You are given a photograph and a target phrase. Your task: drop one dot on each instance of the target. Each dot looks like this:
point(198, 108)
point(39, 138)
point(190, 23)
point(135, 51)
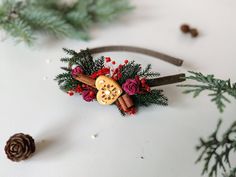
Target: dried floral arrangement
point(21, 19)
point(127, 85)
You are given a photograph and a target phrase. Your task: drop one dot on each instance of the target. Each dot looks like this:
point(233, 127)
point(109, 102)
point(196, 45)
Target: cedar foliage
point(215, 152)
point(22, 18)
point(219, 89)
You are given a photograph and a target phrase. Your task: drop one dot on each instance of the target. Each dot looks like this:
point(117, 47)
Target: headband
point(127, 85)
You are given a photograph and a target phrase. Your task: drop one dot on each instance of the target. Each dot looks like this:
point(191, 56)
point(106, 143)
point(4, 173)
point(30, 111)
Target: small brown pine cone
point(20, 147)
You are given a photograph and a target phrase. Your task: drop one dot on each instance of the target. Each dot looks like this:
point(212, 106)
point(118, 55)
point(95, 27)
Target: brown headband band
point(159, 55)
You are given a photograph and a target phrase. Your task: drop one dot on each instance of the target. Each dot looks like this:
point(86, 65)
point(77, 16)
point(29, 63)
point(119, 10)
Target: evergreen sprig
point(83, 59)
point(218, 88)
point(153, 97)
point(216, 152)
point(22, 18)
point(66, 81)
point(148, 73)
point(129, 71)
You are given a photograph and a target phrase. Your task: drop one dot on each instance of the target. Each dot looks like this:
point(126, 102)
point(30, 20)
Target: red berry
point(71, 93)
point(119, 75)
point(108, 59)
point(143, 81)
point(126, 61)
point(120, 66)
point(113, 62)
point(148, 88)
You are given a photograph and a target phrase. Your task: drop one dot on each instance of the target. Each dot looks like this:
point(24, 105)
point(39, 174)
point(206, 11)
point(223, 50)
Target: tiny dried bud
point(194, 32)
point(185, 28)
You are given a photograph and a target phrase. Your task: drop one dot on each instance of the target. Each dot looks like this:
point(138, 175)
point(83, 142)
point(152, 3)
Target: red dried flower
point(131, 86)
point(87, 96)
point(77, 70)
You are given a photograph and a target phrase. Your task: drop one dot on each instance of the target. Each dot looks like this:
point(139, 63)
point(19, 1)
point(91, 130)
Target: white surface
point(164, 136)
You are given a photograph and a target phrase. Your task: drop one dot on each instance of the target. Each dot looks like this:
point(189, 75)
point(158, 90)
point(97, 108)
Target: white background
point(165, 136)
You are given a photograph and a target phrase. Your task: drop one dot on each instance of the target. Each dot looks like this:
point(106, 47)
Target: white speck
point(45, 78)
point(94, 136)
point(48, 61)
point(3, 35)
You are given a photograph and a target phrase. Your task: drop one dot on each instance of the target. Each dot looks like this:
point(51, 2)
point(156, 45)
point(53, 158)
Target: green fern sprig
point(215, 152)
point(218, 88)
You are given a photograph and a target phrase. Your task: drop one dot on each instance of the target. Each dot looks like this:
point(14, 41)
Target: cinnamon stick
point(122, 104)
point(86, 80)
point(128, 100)
point(125, 102)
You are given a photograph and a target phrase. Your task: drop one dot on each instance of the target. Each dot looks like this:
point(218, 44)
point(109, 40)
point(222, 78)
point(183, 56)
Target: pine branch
point(47, 21)
point(57, 19)
point(98, 64)
point(129, 71)
point(108, 10)
point(82, 59)
point(154, 97)
point(20, 30)
point(148, 73)
point(218, 88)
point(215, 152)
point(66, 81)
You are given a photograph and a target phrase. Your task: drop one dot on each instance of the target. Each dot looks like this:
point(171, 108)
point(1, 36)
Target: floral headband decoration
point(128, 86)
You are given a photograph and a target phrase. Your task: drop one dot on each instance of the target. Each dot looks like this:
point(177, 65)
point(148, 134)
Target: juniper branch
point(217, 151)
point(219, 89)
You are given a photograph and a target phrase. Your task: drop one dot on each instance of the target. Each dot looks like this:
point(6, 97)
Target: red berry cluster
point(117, 71)
point(145, 85)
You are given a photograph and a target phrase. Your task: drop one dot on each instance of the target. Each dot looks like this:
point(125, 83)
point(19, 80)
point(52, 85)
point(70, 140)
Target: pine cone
point(20, 147)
